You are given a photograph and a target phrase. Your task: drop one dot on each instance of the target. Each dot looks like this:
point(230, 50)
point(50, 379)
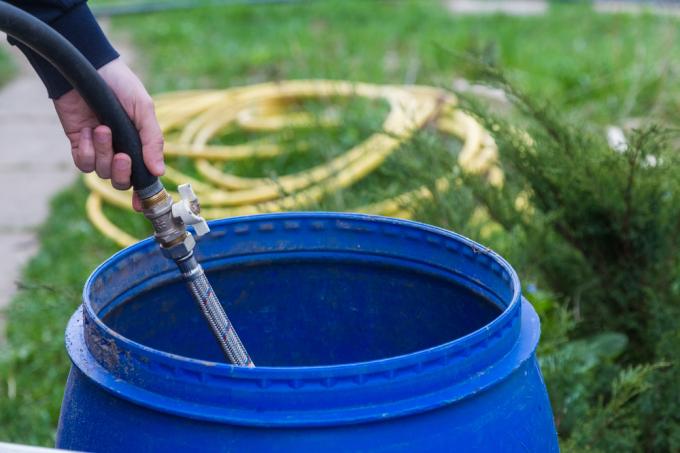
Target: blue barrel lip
point(492, 327)
point(500, 337)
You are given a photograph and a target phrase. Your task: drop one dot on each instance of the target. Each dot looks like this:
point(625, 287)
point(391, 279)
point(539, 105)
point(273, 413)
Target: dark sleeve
point(74, 20)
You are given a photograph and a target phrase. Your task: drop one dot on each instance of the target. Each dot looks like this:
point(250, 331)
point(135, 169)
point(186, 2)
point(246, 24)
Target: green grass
point(601, 68)
point(605, 67)
point(33, 368)
point(6, 68)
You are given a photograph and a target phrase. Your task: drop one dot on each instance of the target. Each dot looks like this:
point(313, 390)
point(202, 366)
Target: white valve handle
point(187, 210)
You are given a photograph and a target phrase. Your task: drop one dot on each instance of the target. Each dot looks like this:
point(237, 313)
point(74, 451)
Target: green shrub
point(603, 236)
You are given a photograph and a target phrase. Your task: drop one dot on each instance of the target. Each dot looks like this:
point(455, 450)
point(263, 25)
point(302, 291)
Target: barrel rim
point(508, 312)
point(519, 357)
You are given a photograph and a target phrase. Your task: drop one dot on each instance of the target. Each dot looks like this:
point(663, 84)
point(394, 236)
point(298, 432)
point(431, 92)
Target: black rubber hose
point(86, 80)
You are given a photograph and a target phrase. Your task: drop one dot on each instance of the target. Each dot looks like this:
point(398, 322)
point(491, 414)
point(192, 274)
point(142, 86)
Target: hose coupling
point(170, 219)
point(181, 250)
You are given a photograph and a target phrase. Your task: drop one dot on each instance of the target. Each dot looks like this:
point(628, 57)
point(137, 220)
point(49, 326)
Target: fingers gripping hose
point(168, 221)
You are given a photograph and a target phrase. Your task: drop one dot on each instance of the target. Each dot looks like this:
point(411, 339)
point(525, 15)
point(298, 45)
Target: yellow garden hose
point(194, 118)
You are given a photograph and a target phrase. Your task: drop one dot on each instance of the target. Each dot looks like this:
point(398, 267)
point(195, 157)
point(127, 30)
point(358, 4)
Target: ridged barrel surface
point(369, 334)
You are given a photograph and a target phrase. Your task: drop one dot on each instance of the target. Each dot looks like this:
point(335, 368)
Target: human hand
point(91, 144)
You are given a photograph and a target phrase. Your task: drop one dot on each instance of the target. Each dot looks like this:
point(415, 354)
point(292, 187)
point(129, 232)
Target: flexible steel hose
point(212, 311)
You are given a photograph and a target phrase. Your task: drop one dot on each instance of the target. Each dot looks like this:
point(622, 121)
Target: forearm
point(74, 20)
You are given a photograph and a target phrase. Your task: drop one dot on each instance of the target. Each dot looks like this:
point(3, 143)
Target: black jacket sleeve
point(74, 20)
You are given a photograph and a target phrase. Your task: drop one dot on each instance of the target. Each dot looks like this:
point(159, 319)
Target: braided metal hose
point(169, 220)
point(212, 310)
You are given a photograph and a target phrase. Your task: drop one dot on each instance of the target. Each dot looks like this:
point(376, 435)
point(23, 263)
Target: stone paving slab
point(641, 7)
point(30, 133)
point(538, 7)
point(17, 248)
point(27, 205)
point(32, 94)
point(509, 7)
point(33, 142)
point(35, 163)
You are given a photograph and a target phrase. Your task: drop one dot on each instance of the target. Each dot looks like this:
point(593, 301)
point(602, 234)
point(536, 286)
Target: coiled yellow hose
point(196, 117)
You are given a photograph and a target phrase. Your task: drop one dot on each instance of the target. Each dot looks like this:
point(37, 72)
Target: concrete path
point(669, 8)
point(35, 163)
point(508, 7)
point(538, 7)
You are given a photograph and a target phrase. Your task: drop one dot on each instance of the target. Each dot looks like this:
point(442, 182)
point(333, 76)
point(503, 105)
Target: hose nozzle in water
point(169, 221)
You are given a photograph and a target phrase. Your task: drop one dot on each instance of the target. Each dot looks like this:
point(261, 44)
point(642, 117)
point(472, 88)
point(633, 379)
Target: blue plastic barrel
point(369, 334)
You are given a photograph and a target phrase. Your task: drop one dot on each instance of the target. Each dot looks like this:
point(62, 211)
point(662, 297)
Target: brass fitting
point(168, 230)
point(170, 219)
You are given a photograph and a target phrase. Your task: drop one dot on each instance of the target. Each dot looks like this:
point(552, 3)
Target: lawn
point(6, 68)
point(599, 70)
